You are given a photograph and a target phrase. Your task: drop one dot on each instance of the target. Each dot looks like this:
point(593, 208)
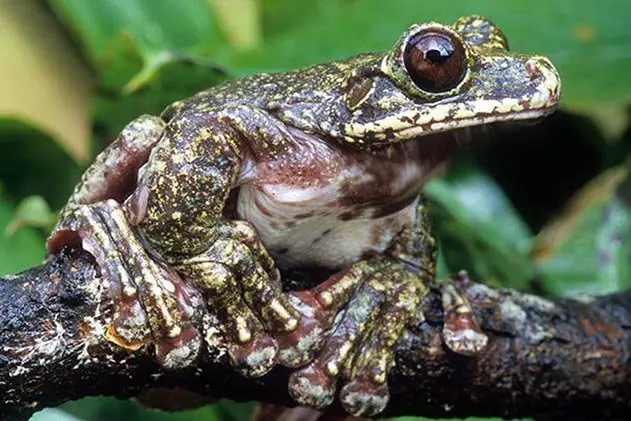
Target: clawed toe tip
point(180, 351)
point(364, 398)
point(299, 347)
point(255, 358)
point(312, 387)
point(466, 341)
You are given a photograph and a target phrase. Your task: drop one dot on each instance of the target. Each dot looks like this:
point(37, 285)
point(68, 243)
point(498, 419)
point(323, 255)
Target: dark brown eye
point(435, 61)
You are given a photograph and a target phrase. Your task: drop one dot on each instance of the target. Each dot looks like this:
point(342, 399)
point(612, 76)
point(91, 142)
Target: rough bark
point(564, 359)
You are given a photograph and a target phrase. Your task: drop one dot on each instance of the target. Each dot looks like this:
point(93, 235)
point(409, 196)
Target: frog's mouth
point(481, 118)
point(447, 117)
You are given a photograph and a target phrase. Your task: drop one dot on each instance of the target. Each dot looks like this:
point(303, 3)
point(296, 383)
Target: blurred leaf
point(149, 50)
point(122, 37)
point(302, 33)
point(33, 165)
point(53, 414)
point(175, 77)
point(445, 419)
point(42, 80)
point(235, 411)
point(19, 251)
point(32, 212)
point(108, 408)
point(587, 249)
point(240, 21)
point(478, 228)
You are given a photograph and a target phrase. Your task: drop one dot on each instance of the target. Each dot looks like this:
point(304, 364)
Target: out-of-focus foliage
point(505, 212)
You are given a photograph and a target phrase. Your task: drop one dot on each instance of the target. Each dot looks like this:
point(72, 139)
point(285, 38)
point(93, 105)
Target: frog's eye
point(435, 60)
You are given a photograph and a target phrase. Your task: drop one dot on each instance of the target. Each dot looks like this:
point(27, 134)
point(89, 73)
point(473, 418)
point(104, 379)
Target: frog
point(201, 206)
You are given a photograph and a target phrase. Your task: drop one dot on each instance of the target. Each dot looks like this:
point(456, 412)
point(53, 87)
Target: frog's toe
point(311, 386)
point(461, 333)
point(243, 289)
point(364, 397)
point(256, 357)
point(300, 345)
point(252, 351)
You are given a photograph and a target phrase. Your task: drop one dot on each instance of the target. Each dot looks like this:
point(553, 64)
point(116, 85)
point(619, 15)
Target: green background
point(542, 209)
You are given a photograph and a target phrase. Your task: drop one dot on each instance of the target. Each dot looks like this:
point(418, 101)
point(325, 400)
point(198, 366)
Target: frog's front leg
point(376, 298)
point(169, 244)
point(153, 305)
point(180, 202)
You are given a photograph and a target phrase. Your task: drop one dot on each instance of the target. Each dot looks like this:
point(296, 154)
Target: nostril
point(532, 68)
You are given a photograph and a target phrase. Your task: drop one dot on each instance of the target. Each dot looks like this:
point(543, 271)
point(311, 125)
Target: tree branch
point(567, 359)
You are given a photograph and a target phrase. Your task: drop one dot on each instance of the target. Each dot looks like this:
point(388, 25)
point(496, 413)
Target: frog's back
point(314, 84)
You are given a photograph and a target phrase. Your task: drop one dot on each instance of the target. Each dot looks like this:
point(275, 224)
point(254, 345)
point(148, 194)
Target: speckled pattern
point(320, 166)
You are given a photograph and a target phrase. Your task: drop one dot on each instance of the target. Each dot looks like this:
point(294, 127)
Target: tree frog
point(322, 166)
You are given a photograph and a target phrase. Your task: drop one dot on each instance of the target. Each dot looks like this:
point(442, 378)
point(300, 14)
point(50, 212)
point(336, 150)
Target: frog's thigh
point(113, 172)
point(461, 332)
point(151, 303)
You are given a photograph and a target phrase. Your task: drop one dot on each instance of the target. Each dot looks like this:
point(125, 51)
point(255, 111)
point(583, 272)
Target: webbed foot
point(384, 296)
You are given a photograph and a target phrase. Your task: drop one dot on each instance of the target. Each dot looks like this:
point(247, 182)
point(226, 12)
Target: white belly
point(306, 226)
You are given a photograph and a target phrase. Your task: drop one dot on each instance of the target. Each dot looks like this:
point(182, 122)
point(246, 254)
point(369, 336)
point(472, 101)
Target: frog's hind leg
point(376, 298)
point(384, 295)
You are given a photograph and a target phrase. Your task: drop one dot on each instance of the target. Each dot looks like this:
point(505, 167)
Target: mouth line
point(413, 124)
point(431, 128)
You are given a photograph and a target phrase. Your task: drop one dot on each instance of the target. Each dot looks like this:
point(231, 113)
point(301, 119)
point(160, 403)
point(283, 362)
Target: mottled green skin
point(168, 239)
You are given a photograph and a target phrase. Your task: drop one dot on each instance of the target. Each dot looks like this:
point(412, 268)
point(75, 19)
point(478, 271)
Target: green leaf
point(108, 408)
point(478, 228)
point(121, 37)
point(444, 419)
point(587, 249)
point(159, 84)
point(31, 164)
point(53, 414)
point(21, 250)
point(32, 212)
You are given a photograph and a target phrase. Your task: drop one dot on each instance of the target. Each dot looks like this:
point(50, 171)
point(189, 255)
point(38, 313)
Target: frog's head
point(441, 78)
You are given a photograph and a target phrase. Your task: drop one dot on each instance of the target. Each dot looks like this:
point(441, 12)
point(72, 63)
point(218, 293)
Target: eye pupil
point(435, 61)
point(437, 56)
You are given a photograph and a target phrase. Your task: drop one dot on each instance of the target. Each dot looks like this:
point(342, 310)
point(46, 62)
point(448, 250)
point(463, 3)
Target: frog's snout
point(542, 70)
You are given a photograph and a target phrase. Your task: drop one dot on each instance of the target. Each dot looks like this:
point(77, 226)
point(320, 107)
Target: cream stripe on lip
point(451, 116)
point(437, 127)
